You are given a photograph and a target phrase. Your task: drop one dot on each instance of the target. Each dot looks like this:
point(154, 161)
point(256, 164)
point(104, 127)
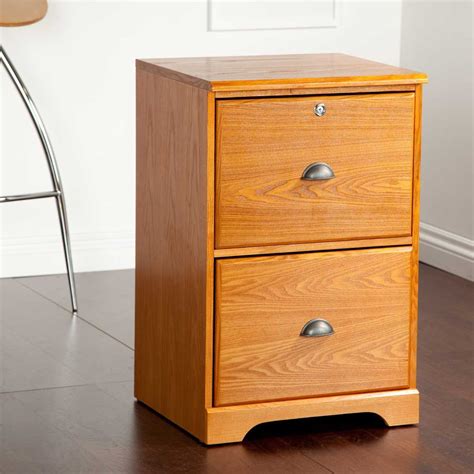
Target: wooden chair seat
point(22, 12)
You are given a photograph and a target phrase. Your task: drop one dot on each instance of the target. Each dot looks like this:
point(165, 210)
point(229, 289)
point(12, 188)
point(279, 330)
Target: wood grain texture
point(263, 146)
point(172, 244)
point(262, 303)
point(279, 72)
point(231, 424)
point(312, 247)
point(22, 12)
point(209, 317)
point(416, 235)
point(314, 91)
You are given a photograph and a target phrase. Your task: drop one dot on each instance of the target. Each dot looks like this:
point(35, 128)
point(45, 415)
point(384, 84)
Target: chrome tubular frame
point(58, 192)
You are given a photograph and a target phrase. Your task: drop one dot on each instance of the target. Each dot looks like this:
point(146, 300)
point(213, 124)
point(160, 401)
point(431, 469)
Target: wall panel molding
point(234, 15)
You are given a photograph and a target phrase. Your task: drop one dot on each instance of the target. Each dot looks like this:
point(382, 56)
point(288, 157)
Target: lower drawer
point(263, 304)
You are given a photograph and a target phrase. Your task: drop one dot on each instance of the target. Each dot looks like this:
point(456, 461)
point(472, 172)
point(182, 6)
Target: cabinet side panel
point(415, 235)
point(171, 250)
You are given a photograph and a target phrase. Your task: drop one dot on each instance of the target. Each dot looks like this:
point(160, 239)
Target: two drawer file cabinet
point(277, 240)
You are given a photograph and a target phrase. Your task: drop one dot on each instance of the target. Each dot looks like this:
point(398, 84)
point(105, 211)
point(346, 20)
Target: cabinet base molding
point(231, 424)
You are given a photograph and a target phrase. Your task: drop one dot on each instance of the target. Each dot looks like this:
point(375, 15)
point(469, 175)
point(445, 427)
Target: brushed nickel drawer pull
point(318, 172)
point(317, 328)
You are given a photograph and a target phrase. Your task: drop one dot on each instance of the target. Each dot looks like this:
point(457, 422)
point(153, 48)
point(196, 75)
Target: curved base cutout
point(318, 424)
point(231, 424)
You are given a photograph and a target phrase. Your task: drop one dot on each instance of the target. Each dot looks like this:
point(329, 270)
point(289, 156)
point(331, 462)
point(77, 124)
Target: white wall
point(437, 39)
point(79, 65)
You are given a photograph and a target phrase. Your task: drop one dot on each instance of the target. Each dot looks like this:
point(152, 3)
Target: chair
point(20, 13)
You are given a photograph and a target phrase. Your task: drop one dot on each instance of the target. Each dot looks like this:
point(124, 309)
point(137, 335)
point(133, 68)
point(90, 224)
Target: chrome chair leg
point(58, 192)
point(61, 205)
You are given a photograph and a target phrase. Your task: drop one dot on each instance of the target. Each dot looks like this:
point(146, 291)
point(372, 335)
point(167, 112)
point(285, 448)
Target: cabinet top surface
point(283, 71)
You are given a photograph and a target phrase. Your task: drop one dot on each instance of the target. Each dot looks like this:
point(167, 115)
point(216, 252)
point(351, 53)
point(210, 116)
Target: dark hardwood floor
point(66, 401)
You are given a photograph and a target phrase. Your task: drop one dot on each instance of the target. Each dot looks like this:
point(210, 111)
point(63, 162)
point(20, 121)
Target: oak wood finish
point(205, 130)
point(263, 303)
point(280, 72)
point(22, 12)
point(415, 234)
point(312, 247)
point(230, 424)
point(313, 91)
point(264, 145)
point(174, 228)
point(209, 324)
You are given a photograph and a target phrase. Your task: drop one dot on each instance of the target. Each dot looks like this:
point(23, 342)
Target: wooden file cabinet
point(277, 240)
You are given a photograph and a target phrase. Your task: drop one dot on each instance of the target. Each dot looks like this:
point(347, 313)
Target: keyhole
point(320, 110)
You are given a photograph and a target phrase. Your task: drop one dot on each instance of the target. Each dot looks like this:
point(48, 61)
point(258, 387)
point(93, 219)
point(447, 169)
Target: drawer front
point(263, 147)
point(263, 303)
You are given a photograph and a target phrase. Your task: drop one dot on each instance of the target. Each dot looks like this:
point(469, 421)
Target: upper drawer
point(263, 147)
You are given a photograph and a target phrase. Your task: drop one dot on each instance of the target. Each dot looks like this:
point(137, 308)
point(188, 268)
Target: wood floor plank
point(106, 299)
point(31, 444)
point(25, 366)
point(114, 435)
point(57, 343)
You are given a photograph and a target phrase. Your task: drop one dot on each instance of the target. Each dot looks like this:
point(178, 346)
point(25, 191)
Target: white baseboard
point(448, 251)
point(28, 256)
